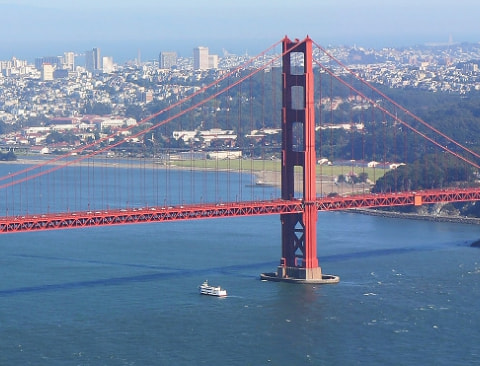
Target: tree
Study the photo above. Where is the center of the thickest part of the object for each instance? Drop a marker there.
(9, 156)
(362, 177)
(427, 173)
(134, 111)
(55, 137)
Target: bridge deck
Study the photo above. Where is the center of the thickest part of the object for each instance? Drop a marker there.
(55, 221)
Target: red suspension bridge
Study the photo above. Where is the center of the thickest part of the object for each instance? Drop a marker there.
(324, 111)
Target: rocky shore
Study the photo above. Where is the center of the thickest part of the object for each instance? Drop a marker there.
(416, 216)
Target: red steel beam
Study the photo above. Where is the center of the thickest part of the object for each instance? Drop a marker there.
(57, 221)
(71, 220)
(398, 199)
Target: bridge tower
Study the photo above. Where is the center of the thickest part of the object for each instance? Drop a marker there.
(299, 261)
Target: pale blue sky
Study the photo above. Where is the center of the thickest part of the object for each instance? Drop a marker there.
(241, 25)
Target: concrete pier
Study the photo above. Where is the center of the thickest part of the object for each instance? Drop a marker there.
(300, 275)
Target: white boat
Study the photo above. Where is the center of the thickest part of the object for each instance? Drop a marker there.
(206, 289)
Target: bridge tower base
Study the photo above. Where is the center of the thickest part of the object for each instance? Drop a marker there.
(300, 275)
(299, 263)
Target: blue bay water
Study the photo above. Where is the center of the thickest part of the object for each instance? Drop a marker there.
(127, 295)
(103, 184)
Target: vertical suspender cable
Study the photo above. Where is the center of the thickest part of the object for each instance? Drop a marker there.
(240, 132)
(384, 123)
(262, 151)
(319, 118)
(144, 158)
(352, 139)
(332, 153)
(251, 150)
(395, 154)
(374, 144)
(192, 177)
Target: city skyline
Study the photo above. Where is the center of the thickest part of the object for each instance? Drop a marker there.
(48, 27)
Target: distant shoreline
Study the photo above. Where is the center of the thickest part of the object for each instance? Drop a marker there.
(272, 178)
(263, 177)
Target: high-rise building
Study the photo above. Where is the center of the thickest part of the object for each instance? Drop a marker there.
(69, 61)
(89, 61)
(47, 72)
(107, 62)
(200, 58)
(167, 60)
(213, 61)
(93, 60)
(53, 60)
(97, 58)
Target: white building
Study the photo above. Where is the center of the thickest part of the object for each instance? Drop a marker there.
(108, 65)
(69, 60)
(47, 72)
(206, 136)
(200, 58)
(224, 155)
(113, 122)
(213, 61)
(167, 60)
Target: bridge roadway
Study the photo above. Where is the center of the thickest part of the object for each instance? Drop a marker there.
(56, 221)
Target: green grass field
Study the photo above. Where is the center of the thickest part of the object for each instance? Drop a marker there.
(252, 166)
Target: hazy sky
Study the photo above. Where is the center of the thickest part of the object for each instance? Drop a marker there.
(230, 24)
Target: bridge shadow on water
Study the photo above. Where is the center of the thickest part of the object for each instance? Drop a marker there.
(167, 273)
(172, 272)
